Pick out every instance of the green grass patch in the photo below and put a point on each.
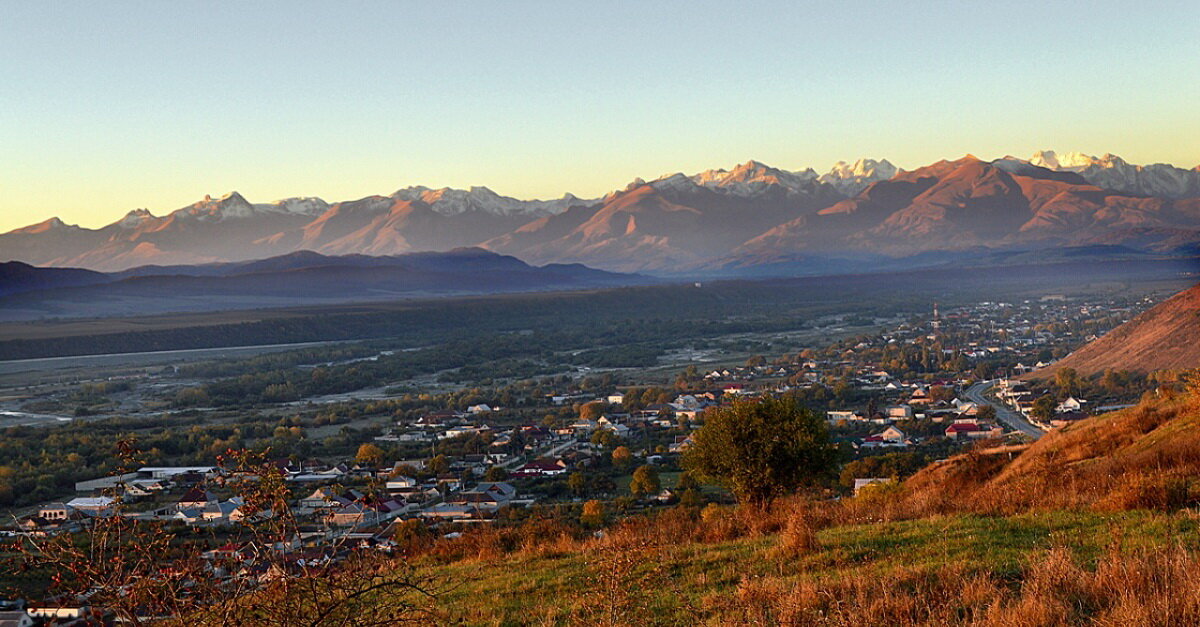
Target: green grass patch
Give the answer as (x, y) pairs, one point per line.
(672, 581)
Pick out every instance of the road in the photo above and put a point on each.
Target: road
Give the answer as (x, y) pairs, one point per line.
(976, 392)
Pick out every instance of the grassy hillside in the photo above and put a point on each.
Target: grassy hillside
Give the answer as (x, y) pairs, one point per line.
(1144, 456)
(1093, 524)
(941, 570)
(1096, 524)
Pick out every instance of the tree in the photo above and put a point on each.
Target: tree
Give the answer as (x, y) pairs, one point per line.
(495, 473)
(604, 438)
(369, 454)
(622, 458)
(686, 482)
(985, 413)
(1043, 408)
(593, 513)
(645, 481)
(577, 483)
(438, 465)
(1067, 381)
(591, 411)
(761, 449)
(890, 465)
(404, 470)
(941, 393)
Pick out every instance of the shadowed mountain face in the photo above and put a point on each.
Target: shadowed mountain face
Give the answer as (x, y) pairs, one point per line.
(17, 277)
(753, 218)
(27, 292)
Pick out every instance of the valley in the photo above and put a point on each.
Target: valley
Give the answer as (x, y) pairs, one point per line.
(594, 315)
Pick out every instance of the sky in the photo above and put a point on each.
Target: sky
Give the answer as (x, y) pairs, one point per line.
(110, 106)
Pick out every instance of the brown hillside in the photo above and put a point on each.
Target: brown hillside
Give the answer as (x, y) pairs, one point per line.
(1142, 457)
(1167, 337)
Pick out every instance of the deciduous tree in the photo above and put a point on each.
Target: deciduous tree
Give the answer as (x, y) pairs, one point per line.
(369, 454)
(761, 449)
(622, 458)
(593, 513)
(645, 481)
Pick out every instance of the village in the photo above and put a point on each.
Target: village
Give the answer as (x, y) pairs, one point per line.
(902, 390)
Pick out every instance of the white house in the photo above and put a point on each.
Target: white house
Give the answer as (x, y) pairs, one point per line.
(93, 505)
(838, 416)
(1071, 404)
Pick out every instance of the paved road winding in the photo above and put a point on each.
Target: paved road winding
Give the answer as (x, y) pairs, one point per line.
(1005, 415)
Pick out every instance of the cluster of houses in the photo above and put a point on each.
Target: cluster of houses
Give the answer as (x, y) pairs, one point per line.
(190, 495)
(960, 417)
(1019, 396)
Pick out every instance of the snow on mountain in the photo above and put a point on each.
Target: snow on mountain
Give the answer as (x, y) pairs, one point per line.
(851, 179)
(1114, 173)
(135, 218)
(746, 180)
(1074, 161)
(753, 178)
(452, 202)
(231, 205)
(672, 220)
(307, 206)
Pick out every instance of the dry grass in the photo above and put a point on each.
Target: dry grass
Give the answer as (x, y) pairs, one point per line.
(1146, 457)
(961, 543)
(1149, 588)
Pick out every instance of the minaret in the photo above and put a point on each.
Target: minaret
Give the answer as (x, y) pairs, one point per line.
(937, 322)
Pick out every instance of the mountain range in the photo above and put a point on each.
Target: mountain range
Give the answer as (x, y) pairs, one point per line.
(301, 278)
(751, 219)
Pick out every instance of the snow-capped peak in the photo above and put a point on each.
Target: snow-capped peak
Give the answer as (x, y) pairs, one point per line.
(851, 178)
(674, 182)
(755, 172)
(748, 179)
(1114, 173)
(753, 178)
(135, 218)
(448, 201)
(1073, 161)
(302, 205)
(231, 205)
(234, 206)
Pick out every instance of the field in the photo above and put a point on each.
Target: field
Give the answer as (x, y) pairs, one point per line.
(417, 322)
(749, 579)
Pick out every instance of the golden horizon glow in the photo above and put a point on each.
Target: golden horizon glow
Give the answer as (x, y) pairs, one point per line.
(109, 109)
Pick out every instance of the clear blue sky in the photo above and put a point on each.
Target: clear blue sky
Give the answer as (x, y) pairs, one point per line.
(105, 107)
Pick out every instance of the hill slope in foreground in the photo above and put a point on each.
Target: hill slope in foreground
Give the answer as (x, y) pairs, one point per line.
(1166, 337)
(1147, 456)
(1090, 525)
